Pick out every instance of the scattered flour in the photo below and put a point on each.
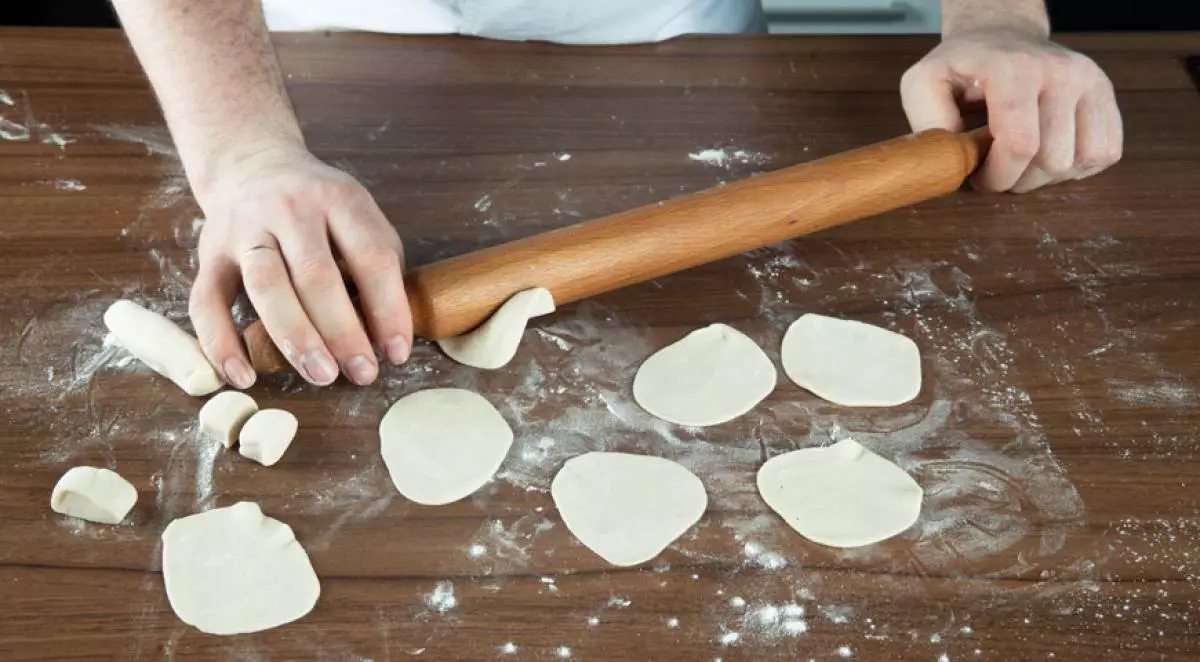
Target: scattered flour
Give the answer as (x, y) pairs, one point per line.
(441, 599)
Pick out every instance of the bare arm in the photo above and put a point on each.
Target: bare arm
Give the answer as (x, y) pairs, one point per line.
(1051, 111)
(275, 215)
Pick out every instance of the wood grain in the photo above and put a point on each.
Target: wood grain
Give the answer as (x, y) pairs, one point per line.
(1056, 434)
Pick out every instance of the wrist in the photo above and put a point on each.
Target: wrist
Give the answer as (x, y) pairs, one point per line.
(1027, 17)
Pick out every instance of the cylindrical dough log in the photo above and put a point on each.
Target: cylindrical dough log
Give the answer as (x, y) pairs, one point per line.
(160, 344)
(93, 494)
(224, 415)
(267, 435)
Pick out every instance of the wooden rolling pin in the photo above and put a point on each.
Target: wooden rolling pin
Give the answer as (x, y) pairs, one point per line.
(583, 260)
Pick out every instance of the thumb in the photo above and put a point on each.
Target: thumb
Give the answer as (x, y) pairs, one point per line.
(927, 95)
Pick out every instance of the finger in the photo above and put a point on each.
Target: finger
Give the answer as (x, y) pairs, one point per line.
(1012, 105)
(375, 259)
(210, 308)
(322, 293)
(1101, 134)
(928, 97)
(269, 287)
(1055, 159)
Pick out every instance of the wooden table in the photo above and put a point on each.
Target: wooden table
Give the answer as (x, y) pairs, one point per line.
(1055, 436)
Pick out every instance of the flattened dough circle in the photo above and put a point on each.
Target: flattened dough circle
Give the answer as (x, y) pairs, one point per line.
(841, 495)
(442, 444)
(494, 343)
(711, 376)
(627, 508)
(234, 570)
(851, 363)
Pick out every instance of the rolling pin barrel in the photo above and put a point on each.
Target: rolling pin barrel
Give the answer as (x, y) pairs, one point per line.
(583, 260)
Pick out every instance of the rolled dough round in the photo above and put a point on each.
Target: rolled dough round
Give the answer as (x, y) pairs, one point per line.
(233, 570)
(841, 495)
(851, 363)
(94, 494)
(160, 344)
(267, 435)
(223, 416)
(627, 508)
(711, 376)
(442, 444)
(494, 343)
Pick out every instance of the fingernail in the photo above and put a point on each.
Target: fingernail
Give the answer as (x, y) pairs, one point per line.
(319, 366)
(360, 370)
(397, 350)
(239, 374)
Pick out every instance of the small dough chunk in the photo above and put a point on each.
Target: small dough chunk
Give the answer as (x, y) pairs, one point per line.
(851, 363)
(442, 444)
(841, 495)
(267, 435)
(494, 343)
(224, 415)
(627, 508)
(93, 494)
(711, 376)
(234, 570)
(160, 344)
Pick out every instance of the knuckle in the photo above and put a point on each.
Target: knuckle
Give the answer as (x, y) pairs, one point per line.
(316, 270)
(378, 259)
(1057, 161)
(1022, 144)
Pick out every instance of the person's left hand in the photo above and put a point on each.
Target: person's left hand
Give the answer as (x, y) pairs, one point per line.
(1051, 111)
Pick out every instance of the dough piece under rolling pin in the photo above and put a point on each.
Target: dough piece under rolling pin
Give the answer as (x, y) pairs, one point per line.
(93, 494)
(223, 416)
(267, 435)
(160, 344)
(494, 343)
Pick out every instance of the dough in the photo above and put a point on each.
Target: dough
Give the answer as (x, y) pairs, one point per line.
(627, 508)
(168, 349)
(442, 444)
(267, 435)
(93, 494)
(224, 415)
(494, 343)
(233, 570)
(851, 363)
(841, 495)
(712, 375)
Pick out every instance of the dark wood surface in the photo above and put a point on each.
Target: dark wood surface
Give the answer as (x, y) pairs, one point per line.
(1055, 436)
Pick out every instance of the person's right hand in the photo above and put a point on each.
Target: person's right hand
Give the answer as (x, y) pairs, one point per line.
(276, 218)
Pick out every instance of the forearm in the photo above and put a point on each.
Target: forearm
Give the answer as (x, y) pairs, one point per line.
(960, 16)
(213, 68)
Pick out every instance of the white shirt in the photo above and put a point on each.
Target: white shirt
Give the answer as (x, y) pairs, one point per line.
(562, 21)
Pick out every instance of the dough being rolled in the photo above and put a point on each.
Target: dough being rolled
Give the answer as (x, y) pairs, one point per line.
(223, 416)
(266, 436)
(851, 363)
(233, 571)
(841, 495)
(627, 508)
(160, 344)
(94, 494)
(494, 343)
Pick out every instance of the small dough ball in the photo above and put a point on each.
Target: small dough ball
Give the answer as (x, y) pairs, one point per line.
(233, 571)
(851, 363)
(224, 415)
(627, 508)
(160, 344)
(267, 435)
(711, 376)
(841, 495)
(442, 444)
(494, 343)
(93, 494)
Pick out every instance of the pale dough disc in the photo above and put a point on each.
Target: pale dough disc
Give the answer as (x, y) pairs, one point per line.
(233, 570)
(841, 495)
(627, 508)
(851, 363)
(494, 343)
(442, 444)
(712, 375)
(94, 494)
